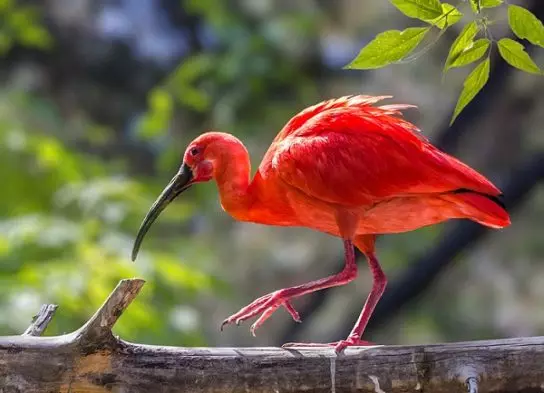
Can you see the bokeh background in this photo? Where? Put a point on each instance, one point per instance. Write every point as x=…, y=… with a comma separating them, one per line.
x=99, y=99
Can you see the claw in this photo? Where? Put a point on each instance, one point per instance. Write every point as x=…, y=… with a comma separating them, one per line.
x=291, y=310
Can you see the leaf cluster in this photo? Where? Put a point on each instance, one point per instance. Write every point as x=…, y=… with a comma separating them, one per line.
x=473, y=44
x=22, y=24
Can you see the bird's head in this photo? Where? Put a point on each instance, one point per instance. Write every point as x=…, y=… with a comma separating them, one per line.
x=201, y=162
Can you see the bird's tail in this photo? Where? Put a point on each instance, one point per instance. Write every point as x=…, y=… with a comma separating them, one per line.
x=485, y=209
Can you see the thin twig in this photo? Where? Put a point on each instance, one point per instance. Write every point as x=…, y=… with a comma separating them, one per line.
x=41, y=320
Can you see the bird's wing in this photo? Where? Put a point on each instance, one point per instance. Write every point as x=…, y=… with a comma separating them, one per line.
x=351, y=157
x=304, y=122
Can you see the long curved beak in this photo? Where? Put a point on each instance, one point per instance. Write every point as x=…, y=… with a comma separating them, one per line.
x=179, y=183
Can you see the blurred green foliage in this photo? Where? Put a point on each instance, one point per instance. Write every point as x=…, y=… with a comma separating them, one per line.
x=22, y=24
x=68, y=222
x=68, y=218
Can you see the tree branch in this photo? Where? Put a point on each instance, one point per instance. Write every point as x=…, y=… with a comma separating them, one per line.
x=41, y=320
x=91, y=360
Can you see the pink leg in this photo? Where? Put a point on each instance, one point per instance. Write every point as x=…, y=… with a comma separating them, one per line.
x=354, y=338
x=267, y=304
x=378, y=287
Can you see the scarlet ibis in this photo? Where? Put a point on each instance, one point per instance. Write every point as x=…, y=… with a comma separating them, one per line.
x=345, y=167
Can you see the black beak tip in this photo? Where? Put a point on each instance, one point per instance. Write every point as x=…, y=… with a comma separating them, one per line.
x=135, y=249
x=178, y=184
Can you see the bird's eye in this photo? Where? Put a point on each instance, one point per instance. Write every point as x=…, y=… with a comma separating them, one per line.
x=194, y=151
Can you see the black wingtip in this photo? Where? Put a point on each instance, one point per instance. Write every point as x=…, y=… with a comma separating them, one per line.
x=498, y=199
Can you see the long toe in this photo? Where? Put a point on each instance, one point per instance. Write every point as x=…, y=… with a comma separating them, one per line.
x=264, y=316
x=291, y=310
x=338, y=346
x=265, y=305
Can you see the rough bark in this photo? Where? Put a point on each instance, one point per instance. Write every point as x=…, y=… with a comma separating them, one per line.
x=92, y=360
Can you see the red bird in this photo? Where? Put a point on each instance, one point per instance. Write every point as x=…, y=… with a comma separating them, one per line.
x=343, y=167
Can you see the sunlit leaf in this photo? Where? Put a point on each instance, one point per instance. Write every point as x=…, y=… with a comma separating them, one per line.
x=183, y=81
x=475, y=5
x=462, y=42
x=156, y=120
x=474, y=82
x=160, y=101
x=36, y=37
x=420, y=9
x=49, y=153
x=478, y=5
x=191, y=69
x=526, y=25
x=490, y=3
x=514, y=54
x=472, y=53
x=194, y=98
x=388, y=47
x=450, y=16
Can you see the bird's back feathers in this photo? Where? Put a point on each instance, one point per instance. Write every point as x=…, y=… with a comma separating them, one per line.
x=349, y=153
x=356, y=103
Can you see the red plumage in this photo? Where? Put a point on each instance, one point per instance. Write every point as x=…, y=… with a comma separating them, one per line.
x=346, y=153
x=343, y=167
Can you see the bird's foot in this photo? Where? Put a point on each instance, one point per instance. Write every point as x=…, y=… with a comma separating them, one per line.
x=265, y=305
x=339, y=346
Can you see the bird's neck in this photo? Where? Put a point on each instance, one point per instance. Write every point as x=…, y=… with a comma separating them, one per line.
x=233, y=181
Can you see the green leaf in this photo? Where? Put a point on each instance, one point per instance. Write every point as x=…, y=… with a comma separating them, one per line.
x=388, y=47
x=450, y=16
x=420, y=9
x=155, y=121
x=490, y=3
x=475, y=81
x=475, y=5
x=472, y=53
x=525, y=25
x=160, y=101
x=463, y=41
x=36, y=36
x=484, y=4
x=514, y=54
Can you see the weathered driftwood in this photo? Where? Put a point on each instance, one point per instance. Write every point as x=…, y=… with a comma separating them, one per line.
x=91, y=359
x=41, y=320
